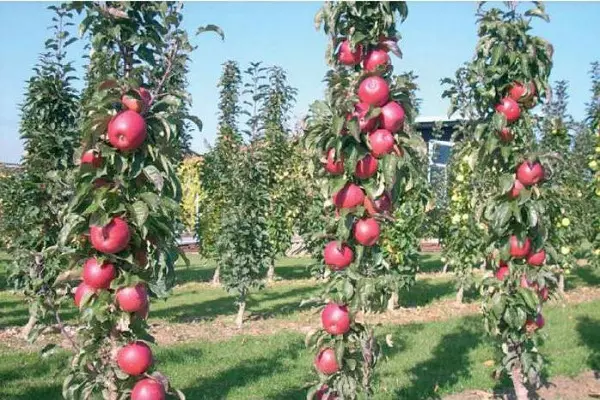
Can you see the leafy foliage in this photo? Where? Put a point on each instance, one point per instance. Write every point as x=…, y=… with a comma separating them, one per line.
x=189, y=173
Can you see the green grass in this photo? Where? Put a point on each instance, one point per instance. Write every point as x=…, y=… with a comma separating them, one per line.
x=450, y=355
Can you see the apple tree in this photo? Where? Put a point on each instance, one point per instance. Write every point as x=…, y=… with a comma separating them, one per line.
x=35, y=198
x=507, y=77
x=593, y=159
x=120, y=228
x=366, y=160
x=192, y=195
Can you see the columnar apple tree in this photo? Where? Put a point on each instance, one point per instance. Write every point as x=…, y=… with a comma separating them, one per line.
x=366, y=157
x=192, y=195
x=35, y=199
x=121, y=224
x=593, y=111
x=508, y=77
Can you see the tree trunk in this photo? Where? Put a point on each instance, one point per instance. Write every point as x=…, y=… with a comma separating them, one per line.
x=239, y=320
x=482, y=266
x=271, y=272
x=460, y=294
x=445, y=269
x=561, y=283
x=28, y=327
x=521, y=392
x=393, y=302
x=216, y=279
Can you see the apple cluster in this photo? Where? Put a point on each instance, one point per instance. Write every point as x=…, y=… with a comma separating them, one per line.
x=126, y=132
x=379, y=140
x=528, y=173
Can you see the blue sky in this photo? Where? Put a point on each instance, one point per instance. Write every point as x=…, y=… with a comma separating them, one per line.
x=437, y=38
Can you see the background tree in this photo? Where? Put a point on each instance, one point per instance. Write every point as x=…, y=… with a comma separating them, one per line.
x=508, y=76
x=192, y=196
x=37, y=196
x=217, y=177
x=582, y=146
x=365, y=173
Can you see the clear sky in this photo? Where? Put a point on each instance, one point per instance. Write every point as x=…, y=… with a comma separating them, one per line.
x=437, y=38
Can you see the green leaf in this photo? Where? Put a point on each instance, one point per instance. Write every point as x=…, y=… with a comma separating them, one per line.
x=211, y=28
x=153, y=174
x=140, y=212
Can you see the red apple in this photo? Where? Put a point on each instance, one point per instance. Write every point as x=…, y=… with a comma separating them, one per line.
x=81, y=291
x=392, y=116
x=335, y=319
x=133, y=104
x=101, y=182
x=374, y=91
x=381, y=141
x=325, y=362
x=530, y=173
x=98, y=276
x=502, y=272
x=380, y=205
x=366, y=167
x=524, y=282
x=516, y=189
x=522, y=93
x=143, y=313
x=92, y=157
x=505, y=135
x=536, y=259
x=519, y=250
x=148, y=389
x=132, y=298
x=349, y=196
x=333, y=166
x=544, y=293
x=146, y=96
x=111, y=238
x=366, y=231
x=322, y=394
x=134, y=358
x=348, y=57
x=532, y=326
x=337, y=258
x=376, y=60
x=509, y=108
x=127, y=130
x=360, y=111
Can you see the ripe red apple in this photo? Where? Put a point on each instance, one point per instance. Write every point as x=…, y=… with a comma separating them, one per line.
x=143, y=313
x=148, y=389
x=544, y=293
x=349, y=196
x=333, y=166
x=81, y=291
x=366, y=231
x=522, y=93
x=502, y=272
x=127, y=130
x=374, y=91
x=518, y=250
x=325, y=362
x=532, y=326
x=132, y=298
x=134, y=358
x=98, y=276
x=376, y=60
x=509, y=108
x=536, y=259
x=133, y=104
x=111, y=238
x=505, y=135
x=530, y=173
x=392, y=116
x=335, y=319
x=348, y=57
x=380, y=205
x=366, y=167
x=92, y=157
x=524, y=282
x=516, y=189
x=360, y=111
x=146, y=96
x=322, y=394
x=337, y=258
x=381, y=141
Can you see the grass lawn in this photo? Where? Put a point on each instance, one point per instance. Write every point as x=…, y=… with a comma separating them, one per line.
x=449, y=355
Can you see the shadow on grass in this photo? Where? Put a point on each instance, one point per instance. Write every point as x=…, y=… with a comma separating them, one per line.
x=286, y=302
x=587, y=275
x=425, y=291
x=246, y=372
x=34, y=377
x=588, y=330
x=448, y=365
x=430, y=263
